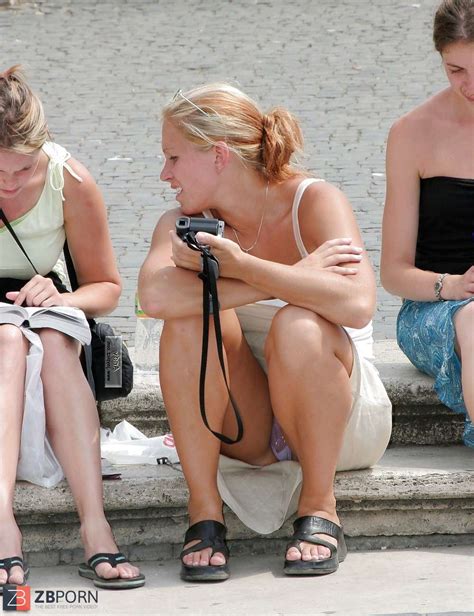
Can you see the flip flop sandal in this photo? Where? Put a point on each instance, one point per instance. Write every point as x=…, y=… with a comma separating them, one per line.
x=15, y=561
x=89, y=571
x=211, y=534
x=304, y=530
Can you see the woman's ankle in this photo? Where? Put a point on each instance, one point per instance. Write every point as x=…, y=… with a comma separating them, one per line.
x=210, y=509
x=10, y=538
x=324, y=508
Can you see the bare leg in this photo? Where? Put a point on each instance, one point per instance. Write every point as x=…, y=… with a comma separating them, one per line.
x=13, y=351
x=198, y=449
x=309, y=365
x=73, y=428
x=464, y=326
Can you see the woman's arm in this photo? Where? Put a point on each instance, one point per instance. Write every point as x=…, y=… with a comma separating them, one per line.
x=398, y=273
x=325, y=214
x=87, y=232
x=167, y=291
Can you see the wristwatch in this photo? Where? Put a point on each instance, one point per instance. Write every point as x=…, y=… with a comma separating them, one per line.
x=438, y=287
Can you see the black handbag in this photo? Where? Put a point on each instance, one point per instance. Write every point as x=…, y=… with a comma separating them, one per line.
x=107, y=363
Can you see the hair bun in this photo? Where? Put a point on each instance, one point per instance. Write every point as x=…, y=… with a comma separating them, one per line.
x=281, y=138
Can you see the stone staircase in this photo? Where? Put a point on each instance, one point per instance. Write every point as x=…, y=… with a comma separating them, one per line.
x=420, y=494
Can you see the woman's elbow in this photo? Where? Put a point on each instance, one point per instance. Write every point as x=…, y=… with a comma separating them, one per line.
x=387, y=280
x=362, y=310
x=154, y=301
x=151, y=305
x=116, y=292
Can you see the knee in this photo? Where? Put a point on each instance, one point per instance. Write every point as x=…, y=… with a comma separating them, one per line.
x=293, y=330
x=12, y=341
x=188, y=330
x=57, y=345
x=464, y=325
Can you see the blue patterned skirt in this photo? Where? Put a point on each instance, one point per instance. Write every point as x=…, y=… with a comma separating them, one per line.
x=425, y=333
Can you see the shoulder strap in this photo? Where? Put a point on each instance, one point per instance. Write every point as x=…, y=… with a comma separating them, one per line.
x=71, y=272
x=58, y=157
x=294, y=213
x=15, y=237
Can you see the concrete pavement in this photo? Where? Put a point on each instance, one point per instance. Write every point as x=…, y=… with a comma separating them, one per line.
x=436, y=581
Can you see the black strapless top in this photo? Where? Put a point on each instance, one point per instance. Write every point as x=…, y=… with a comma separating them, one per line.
x=445, y=240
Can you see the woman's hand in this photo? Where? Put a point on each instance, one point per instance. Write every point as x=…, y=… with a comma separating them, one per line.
x=39, y=291
x=182, y=255
x=227, y=252
x=458, y=287
x=334, y=256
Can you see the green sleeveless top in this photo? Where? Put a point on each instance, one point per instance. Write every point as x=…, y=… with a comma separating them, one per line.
x=41, y=229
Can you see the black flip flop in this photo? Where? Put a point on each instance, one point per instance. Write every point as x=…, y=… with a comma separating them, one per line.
x=89, y=571
x=211, y=534
x=6, y=564
x=305, y=529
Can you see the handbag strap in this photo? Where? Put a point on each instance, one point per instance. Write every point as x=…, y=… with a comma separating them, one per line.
x=210, y=305
x=71, y=272
x=15, y=237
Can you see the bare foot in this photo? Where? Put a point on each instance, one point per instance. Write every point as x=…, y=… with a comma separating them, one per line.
x=309, y=551
x=97, y=537
x=10, y=545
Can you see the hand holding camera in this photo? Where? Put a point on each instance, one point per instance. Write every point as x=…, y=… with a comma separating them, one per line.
x=184, y=243
x=188, y=227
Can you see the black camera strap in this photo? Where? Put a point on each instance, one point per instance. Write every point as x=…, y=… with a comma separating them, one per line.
x=210, y=305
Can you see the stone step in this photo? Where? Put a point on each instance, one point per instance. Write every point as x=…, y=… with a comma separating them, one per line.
x=418, y=416
x=416, y=496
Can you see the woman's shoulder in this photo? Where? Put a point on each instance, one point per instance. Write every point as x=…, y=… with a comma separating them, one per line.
x=302, y=186
x=422, y=119
x=320, y=197
x=169, y=217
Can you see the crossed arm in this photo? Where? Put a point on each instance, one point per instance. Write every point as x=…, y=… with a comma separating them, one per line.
x=335, y=279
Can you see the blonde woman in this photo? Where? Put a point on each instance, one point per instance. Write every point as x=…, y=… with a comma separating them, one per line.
x=295, y=363
x=47, y=196
x=428, y=229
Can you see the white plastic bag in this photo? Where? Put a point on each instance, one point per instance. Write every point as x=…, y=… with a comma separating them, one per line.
x=127, y=445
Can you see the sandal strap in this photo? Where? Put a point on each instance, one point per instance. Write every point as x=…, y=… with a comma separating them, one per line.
x=15, y=561
x=106, y=557
x=307, y=526
x=211, y=534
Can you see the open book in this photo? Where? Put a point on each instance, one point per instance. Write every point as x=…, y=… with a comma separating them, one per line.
x=70, y=321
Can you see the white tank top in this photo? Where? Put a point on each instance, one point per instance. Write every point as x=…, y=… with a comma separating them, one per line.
x=41, y=229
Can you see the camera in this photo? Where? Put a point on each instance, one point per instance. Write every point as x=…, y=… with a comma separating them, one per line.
x=185, y=225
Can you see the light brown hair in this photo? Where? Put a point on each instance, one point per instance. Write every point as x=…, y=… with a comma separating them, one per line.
x=23, y=126
x=265, y=142
x=453, y=22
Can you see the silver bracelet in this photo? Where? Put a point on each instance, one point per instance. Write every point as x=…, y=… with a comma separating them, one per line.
x=438, y=287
